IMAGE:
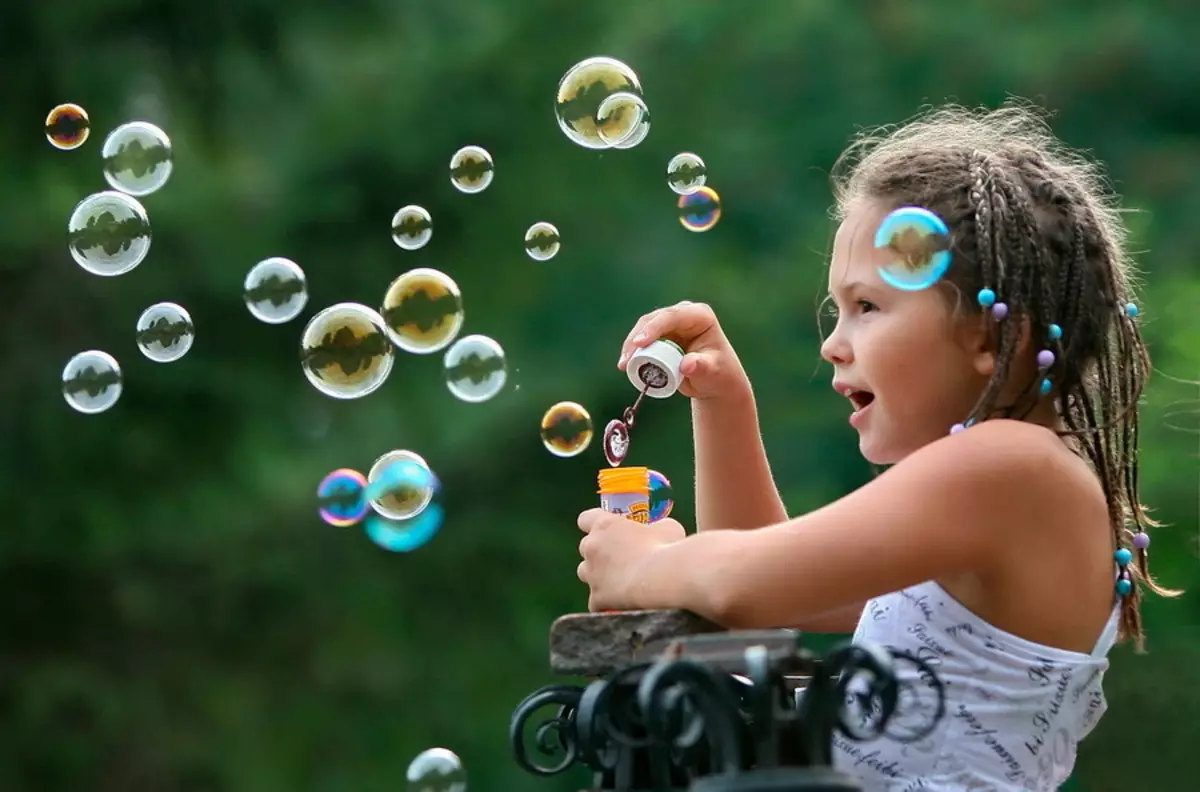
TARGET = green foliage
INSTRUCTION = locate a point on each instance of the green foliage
(176, 618)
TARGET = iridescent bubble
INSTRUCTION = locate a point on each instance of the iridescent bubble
(345, 351)
(567, 429)
(422, 311)
(475, 368)
(662, 498)
(412, 227)
(918, 245)
(686, 173)
(137, 158)
(341, 497)
(165, 332)
(700, 210)
(471, 169)
(623, 120)
(108, 233)
(542, 241)
(436, 770)
(397, 491)
(68, 127)
(92, 382)
(583, 89)
(275, 290)
(404, 536)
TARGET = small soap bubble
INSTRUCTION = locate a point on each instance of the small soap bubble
(341, 497)
(700, 210)
(662, 498)
(686, 173)
(542, 241)
(412, 227)
(436, 770)
(137, 158)
(108, 233)
(581, 92)
(475, 368)
(68, 127)
(422, 311)
(405, 491)
(623, 120)
(472, 169)
(92, 382)
(165, 332)
(345, 351)
(567, 429)
(275, 290)
(918, 245)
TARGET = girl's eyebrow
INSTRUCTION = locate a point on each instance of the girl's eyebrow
(848, 286)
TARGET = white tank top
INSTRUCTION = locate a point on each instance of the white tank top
(1015, 710)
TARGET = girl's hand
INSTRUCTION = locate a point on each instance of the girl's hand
(615, 551)
(710, 367)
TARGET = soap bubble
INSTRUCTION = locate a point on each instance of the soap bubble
(623, 120)
(91, 382)
(422, 311)
(542, 241)
(345, 351)
(411, 480)
(918, 244)
(275, 290)
(404, 536)
(581, 92)
(68, 127)
(436, 770)
(412, 227)
(475, 368)
(700, 210)
(471, 169)
(165, 332)
(567, 429)
(341, 497)
(408, 492)
(137, 158)
(108, 233)
(662, 498)
(686, 173)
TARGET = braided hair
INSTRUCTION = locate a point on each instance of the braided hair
(1036, 223)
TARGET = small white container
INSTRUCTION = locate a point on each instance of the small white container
(656, 366)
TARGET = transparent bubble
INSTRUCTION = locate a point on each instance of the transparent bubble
(68, 127)
(542, 241)
(699, 210)
(662, 498)
(423, 311)
(165, 332)
(92, 382)
(686, 173)
(918, 245)
(137, 158)
(436, 770)
(404, 493)
(475, 368)
(623, 120)
(108, 233)
(412, 227)
(583, 89)
(275, 290)
(341, 497)
(472, 169)
(567, 429)
(345, 351)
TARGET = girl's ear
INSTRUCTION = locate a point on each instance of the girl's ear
(976, 338)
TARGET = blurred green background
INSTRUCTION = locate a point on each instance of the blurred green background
(175, 617)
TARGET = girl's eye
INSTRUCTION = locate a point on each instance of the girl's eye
(867, 306)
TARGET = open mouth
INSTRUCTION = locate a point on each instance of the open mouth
(860, 399)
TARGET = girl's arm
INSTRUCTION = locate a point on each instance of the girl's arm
(968, 502)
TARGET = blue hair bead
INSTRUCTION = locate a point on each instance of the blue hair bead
(1046, 386)
(1124, 587)
(1055, 332)
(1131, 310)
(986, 298)
(1123, 556)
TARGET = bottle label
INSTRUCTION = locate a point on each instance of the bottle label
(630, 505)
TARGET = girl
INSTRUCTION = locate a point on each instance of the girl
(1010, 554)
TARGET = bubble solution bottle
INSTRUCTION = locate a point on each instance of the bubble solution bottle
(626, 491)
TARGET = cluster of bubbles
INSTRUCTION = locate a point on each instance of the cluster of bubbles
(396, 502)
(108, 234)
(436, 770)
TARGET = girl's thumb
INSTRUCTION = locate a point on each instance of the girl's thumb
(697, 365)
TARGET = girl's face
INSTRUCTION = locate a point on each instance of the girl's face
(909, 366)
